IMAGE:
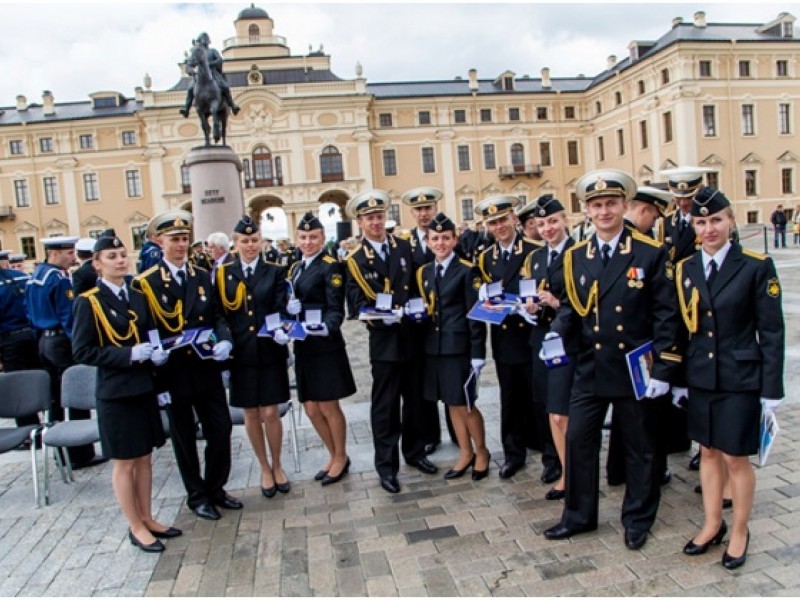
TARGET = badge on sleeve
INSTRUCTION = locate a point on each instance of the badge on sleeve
(336, 280)
(773, 288)
(476, 283)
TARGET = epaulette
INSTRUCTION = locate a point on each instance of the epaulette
(756, 255)
(90, 292)
(200, 268)
(329, 259)
(272, 262)
(640, 237)
(466, 263)
(578, 245)
(406, 235)
(144, 274)
(537, 243)
(353, 252)
(669, 214)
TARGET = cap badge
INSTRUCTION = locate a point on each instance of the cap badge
(492, 209)
(542, 212)
(179, 223)
(372, 203)
(704, 211)
(683, 186)
(600, 184)
(422, 198)
(117, 243)
(306, 226)
(439, 227)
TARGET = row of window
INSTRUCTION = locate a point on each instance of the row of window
(485, 115)
(748, 120)
(705, 68)
(85, 140)
(28, 245)
(91, 188)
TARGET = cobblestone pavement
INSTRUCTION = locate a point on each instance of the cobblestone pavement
(436, 538)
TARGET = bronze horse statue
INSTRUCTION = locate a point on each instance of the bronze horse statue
(208, 99)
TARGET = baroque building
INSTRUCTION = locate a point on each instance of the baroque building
(719, 95)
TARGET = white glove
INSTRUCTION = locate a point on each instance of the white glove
(141, 352)
(656, 388)
(769, 405)
(478, 364)
(280, 337)
(294, 306)
(550, 335)
(397, 316)
(523, 312)
(159, 356)
(226, 378)
(321, 331)
(483, 295)
(164, 398)
(680, 394)
(222, 350)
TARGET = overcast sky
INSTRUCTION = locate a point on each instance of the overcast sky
(76, 49)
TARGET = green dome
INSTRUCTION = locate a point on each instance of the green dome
(253, 13)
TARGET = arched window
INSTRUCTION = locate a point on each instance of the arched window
(330, 164)
(262, 167)
(518, 157)
(254, 32)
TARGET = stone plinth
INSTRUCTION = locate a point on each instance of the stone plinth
(217, 200)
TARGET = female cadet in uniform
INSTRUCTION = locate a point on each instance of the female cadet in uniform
(321, 364)
(454, 345)
(249, 289)
(546, 266)
(730, 299)
(111, 324)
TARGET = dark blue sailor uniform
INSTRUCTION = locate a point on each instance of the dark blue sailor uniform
(149, 256)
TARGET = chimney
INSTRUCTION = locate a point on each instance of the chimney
(612, 62)
(473, 80)
(699, 19)
(48, 103)
(138, 93)
(546, 77)
(676, 21)
(22, 103)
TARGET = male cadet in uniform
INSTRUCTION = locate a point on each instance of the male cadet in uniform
(17, 343)
(17, 261)
(618, 297)
(422, 201)
(502, 261)
(180, 297)
(268, 252)
(84, 277)
(151, 252)
(48, 298)
(381, 264)
(527, 222)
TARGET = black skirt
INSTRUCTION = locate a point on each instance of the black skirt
(265, 385)
(129, 427)
(322, 377)
(726, 421)
(553, 387)
(445, 377)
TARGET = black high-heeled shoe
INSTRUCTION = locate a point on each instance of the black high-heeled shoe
(329, 479)
(693, 549)
(457, 473)
(320, 475)
(484, 473)
(734, 562)
(156, 546)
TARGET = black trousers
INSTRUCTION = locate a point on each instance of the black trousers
(584, 436)
(517, 415)
(55, 353)
(212, 411)
(18, 352)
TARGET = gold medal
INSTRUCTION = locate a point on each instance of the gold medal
(640, 284)
(631, 283)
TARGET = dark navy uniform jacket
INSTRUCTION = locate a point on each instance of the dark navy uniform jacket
(84, 278)
(12, 300)
(679, 245)
(48, 298)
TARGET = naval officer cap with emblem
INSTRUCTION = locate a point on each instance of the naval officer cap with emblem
(368, 202)
(60, 242)
(245, 226)
(708, 201)
(683, 182)
(604, 183)
(650, 195)
(441, 222)
(495, 207)
(310, 222)
(422, 196)
(172, 222)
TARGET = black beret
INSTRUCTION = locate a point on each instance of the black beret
(107, 242)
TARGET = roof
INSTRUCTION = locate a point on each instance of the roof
(67, 111)
(253, 13)
(270, 77)
(460, 87)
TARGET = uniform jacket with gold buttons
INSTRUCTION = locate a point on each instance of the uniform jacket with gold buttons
(368, 275)
(614, 310)
(736, 329)
(448, 331)
(679, 246)
(510, 339)
(245, 305)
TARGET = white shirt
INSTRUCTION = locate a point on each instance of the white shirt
(559, 248)
(612, 243)
(377, 246)
(445, 263)
(174, 270)
(718, 258)
(251, 265)
(115, 289)
(421, 235)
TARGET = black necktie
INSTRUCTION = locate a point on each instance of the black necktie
(712, 273)
(553, 257)
(385, 251)
(248, 273)
(606, 254)
(682, 226)
(181, 277)
(506, 254)
(300, 268)
(123, 297)
(439, 273)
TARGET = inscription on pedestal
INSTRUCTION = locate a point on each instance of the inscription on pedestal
(212, 197)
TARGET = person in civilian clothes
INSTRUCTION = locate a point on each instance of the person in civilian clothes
(84, 277)
(502, 261)
(321, 364)
(249, 289)
(179, 298)
(546, 266)
(382, 264)
(619, 296)
(110, 329)
(454, 346)
(730, 300)
(422, 201)
(48, 300)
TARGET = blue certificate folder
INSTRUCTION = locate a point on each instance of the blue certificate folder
(493, 311)
(201, 340)
(640, 361)
(768, 431)
(294, 329)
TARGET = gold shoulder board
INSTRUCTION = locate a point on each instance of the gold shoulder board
(756, 255)
(640, 237)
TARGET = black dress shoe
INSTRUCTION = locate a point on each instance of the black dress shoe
(207, 511)
(156, 546)
(171, 532)
(693, 549)
(551, 474)
(320, 475)
(666, 477)
(225, 500)
(431, 448)
(424, 465)
(560, 532)
(93, 462)
(477, 475)
(734, 562)
(458, 473)
(269, 492)
(554, 494)
(635, 539)
(329, 479)
(509, 469)
(390, 484)
(694, 464)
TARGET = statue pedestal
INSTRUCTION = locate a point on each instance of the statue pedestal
(217, 200)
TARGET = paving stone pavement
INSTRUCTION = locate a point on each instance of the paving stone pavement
(436, 538)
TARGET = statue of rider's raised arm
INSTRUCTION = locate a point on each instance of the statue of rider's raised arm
(215, 64)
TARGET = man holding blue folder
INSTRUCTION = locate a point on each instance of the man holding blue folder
(619, 296)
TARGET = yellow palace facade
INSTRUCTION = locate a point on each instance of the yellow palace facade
(720, 95)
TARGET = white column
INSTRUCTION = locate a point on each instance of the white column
(67, 166)
(447, 169)
(155, 156)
